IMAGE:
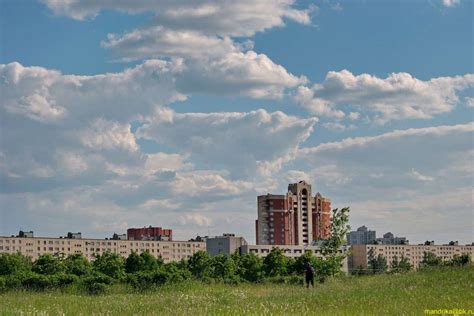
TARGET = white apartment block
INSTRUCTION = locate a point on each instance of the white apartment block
(34, 247)
(360, 254)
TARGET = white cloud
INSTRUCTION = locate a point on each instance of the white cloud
(103, 134)
(234, 18)
(239, 142)
(399, 96)
(194, 219)
(418, 176)
(451, 3)
(165, 162)
(469, 101)
(47, 95)
(333, 126)
(210, 64)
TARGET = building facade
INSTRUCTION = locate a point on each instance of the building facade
(296, 218)
(362, 236)
(361, 254)
(226, 244)
(150, 233)
(34, 247)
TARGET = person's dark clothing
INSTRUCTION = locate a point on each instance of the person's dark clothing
(309, 275)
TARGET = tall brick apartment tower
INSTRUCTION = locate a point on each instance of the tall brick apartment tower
(292, 219)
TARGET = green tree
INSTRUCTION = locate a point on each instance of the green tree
(223, 267)
(150, 263)
(399, 266)
(14, 263)
(134, 263)
(199, 264)
(110, 264)
(251, 267)
(378, 264)
(431, 260)
(77, 264)
(332, 247)
(460, 261)
(48, 264)
(275, 263)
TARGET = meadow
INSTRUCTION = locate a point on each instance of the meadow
(387, 294)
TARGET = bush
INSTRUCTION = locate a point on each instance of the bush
(48, 264)
(14, 263)
(110, 264)
(77, 264)
(96, 283)
(144, 280)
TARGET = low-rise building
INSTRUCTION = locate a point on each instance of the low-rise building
(226, 244)
(34, 247)
(361, 254)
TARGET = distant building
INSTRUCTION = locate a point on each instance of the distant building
(149, 233)
(23, 234)
(296, 218)
(362, 236)
(119, 237)
(226, 244)
(74, 235)
(389, 239)
(360, 254)
(34, 247)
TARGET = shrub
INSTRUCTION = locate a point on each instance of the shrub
(14, 263)
(110, 264)
(3, 284)
(77, 264)
(48, 264)
(96, 283)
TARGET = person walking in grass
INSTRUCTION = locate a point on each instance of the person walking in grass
(309, 274)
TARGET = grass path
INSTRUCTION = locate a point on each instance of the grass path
(408, 294)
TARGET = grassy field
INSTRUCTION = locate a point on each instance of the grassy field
(408, 294)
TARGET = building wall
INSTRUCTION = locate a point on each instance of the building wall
(321, 214)
(34, 247)
(149, 233)
(414, 253)
(302, 206)
(291, 251)
(273, 220)
(226, 245)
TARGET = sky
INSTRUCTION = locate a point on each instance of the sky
(118, 114)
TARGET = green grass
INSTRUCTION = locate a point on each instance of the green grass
(407, 294)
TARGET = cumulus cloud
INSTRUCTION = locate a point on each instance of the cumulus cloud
(399, 96)
(242, 18)
(103, 134)
(46, 95)
(211, 64)
(236, 141)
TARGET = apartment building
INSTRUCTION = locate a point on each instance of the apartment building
(360, 254)
(34, 247)
(296, 218)
(226, 244)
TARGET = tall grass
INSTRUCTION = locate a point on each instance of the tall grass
(405, 294)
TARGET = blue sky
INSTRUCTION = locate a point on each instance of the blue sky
(370, 101)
